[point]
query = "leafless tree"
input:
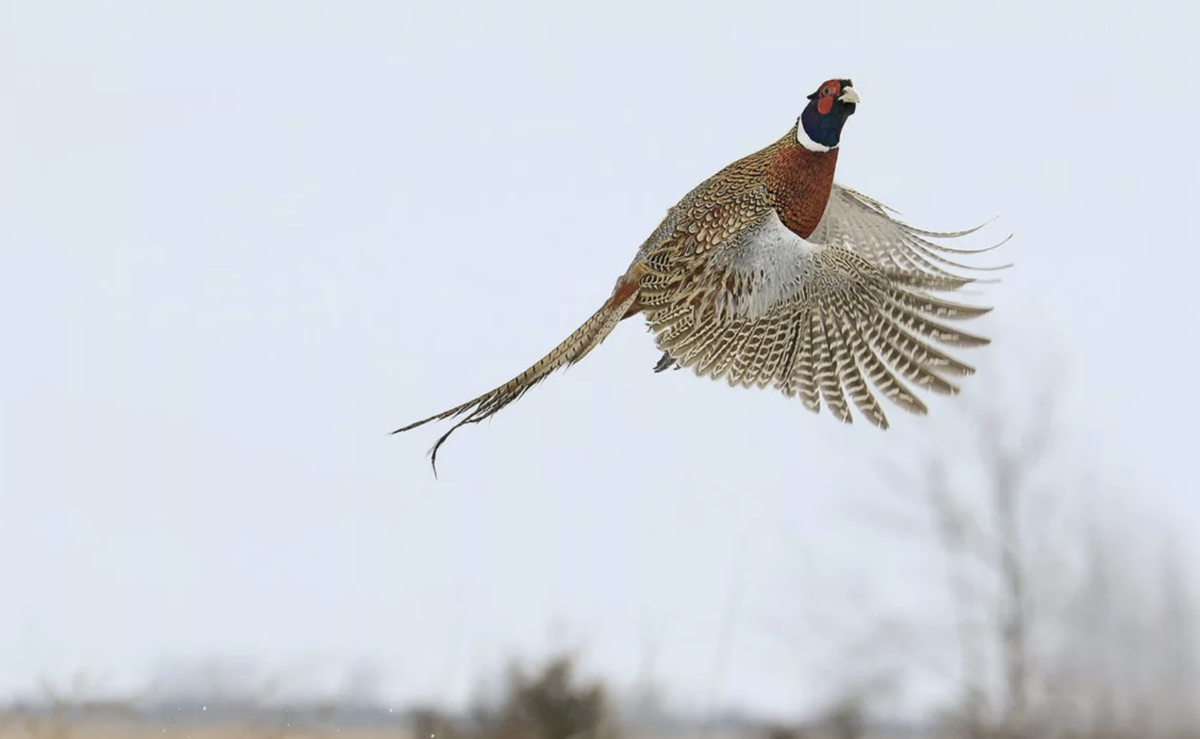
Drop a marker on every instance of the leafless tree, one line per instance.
(1059, 626)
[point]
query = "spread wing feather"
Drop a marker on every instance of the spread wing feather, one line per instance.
(833, 322)
(867, 227)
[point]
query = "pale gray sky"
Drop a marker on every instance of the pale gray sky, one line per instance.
(243, 240)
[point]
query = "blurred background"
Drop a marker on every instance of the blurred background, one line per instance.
(242, 241)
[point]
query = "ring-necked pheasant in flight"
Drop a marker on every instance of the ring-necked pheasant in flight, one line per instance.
(770, 273)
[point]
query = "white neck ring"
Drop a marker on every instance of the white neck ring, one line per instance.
(806, 141)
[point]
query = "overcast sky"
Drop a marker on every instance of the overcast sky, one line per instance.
(241, 241)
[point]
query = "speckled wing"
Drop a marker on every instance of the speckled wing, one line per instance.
(869, 228)
(714, 210)
(763, 307)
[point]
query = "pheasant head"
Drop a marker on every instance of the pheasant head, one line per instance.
(820, 125)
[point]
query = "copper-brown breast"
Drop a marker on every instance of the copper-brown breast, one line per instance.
(800, 181)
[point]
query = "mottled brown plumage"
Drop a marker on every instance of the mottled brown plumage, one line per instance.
(769, 274)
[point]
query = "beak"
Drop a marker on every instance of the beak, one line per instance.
(848, 96)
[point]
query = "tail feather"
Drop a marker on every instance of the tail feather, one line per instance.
(586, 338)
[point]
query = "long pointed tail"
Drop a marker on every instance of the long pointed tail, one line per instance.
(586, 338)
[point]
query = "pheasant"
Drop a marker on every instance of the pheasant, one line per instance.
(770, 273)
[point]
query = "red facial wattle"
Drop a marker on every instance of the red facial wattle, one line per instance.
(829, 93)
